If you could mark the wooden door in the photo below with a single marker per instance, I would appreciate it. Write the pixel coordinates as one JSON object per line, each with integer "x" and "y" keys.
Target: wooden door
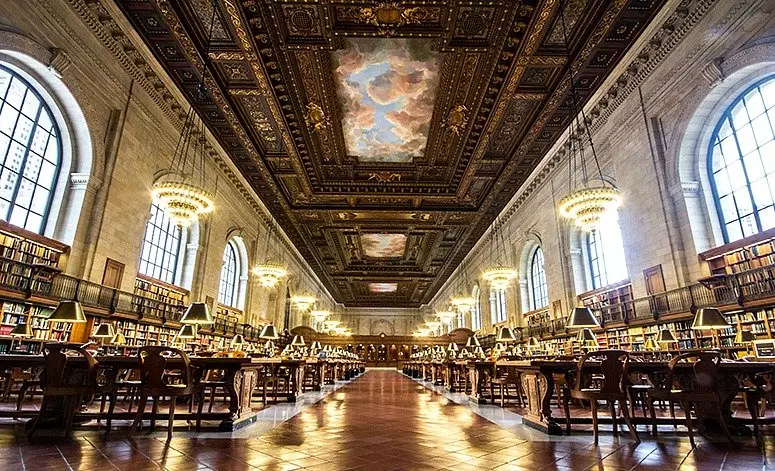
{"x": 113, "y": 274}
{"x": 655, "y": 287}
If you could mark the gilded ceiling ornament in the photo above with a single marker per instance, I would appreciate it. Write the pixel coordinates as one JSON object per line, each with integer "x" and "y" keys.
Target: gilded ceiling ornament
{"x": 315, "y": 117}
{"x": 457, "y": 119}
{"x": 384, "y": 177}
{"x": 389, "y": 16}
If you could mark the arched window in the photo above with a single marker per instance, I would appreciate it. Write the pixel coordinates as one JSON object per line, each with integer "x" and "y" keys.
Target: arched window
{"x": 741, "y": 162}
{"x": 161, "y": 247}
{"x": 539, "y": 295}
{"x": 31, "y": 151}
{"x": 228, "y": 292}
{"x": 497, "y": 305}
{"x": 605, "y": 252}
{"x": 476, "y": 310}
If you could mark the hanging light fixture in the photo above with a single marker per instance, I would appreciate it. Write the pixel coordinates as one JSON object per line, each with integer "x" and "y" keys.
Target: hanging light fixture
{"x": 588, "y": 201}
{"x": 319, "y": 316}
{"x": 463, "y": 303}
{"x": 181, "y": 192}
{"x": 500, "y": 274}
{"x": 269, "y": 273}
{"x": 331, "y": 324}
{"x": 303, "y": 301}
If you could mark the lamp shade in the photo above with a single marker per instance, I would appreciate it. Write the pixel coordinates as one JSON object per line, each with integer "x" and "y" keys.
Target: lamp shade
{"x": 70, "y": 312}
{"x": 298, "y": 341}
{"x": 479, "y": 352}
{"x": 269, "y": 332}
{"x": 744, "y": 336}
{"x": 238, "y": 340}
{"x": 506, "y": 334}
{"x": 315, "y": 345}
{"x": 452, "y": 347}
{"x": 651, "y": 344}
{"x": 581, "y": 317}
{"x": 532, "y": 342}
{"x": 666, "y": 336}
{"x": 22, "y": 330}
{"x": 104, "y": 331}
{"x": 472, "y": 342}
{"x": 187, "y": 331}
{"x": 586, "y": 336}
{"x": 197, "y": 313}
{"x": 118, "y": 339}
{"x": 709, "y": 318}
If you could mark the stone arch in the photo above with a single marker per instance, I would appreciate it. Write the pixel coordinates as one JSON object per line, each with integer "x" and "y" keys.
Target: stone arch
{"x": 688, "y": 173}
{"x": 381, "y": 325}
{"x": 45, "y": 70}
{"x": 525, "y": 255}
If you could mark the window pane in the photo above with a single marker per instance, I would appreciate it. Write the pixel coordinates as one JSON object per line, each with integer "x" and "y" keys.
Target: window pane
{"x": 161, "y": 245}
{"x": 722, "y": 183}
{"x": 746, "y": 140}
{"x": 767, "y": 218}
{"x": 749, "y": 225}
{"x": 733, "y": 231}
{"x": 754, "y": 103}
{"x": 762, "y": 130}
{"x": 739, "y": 115}
{"x": 32, "y": 138}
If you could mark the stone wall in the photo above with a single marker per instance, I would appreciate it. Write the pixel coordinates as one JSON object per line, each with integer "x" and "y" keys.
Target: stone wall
{"x": 687, "y": 79}
{"x": 122, "y": 118}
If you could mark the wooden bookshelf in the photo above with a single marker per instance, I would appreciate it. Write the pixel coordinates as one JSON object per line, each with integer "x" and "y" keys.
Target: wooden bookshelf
{"x": 158, "y": 296}
{"x": 745, "y": 254}
{"x": 14, "y": 313}
{"x": 612, "y": 295}
{"x": 38, "y": 257}
{"x": 226, "y": 318}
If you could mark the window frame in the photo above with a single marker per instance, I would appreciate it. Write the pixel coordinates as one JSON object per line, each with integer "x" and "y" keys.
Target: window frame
{"x": 233, "y": 297}
{"x": 542, "y": 285}
{"x": 54, "y": 133}
{"x": 726, "y": 116}
{"x": 498, "y": 306}
{"x": 158, "y": 245}
{"x": 476, "y": 309}
{"x": 595, "y": 263}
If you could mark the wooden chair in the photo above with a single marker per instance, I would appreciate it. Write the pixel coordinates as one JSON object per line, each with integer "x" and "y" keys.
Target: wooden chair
{"x": 503, "y": 381}
{"x": 155, "y": 383}
{"x": 700, "y": 387}
{"x": 611, "y": 384}
{"x": 72, "y": 378}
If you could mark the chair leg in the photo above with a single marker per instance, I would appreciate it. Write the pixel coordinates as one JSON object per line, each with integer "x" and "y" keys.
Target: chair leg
{"x": 504, "y": 387}
{"x": 111, "y": 408}
{"x": 132, "y": 391}
{"x": 566, "y": 409}
{"x": 752, "y": 401}
{"x": 612, "y": 406}
{"x": 143, "y": 400}
{"x": 594, "y": 418}
{"x": 171, "y": 418}
{"x": 653, "y": 415}
{"x": 154, "y": 410}
{"x": 723, "y": 423}
{"x": 20, "y": 398}
{"x": 687, "y": 407}
{"x": 212, "y": 399}
{"x": 199, "y": 413}
{"x": 628, "y": 420}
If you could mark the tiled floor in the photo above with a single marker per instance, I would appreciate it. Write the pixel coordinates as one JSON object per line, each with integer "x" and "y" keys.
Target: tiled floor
{"x": 381, "y": 421}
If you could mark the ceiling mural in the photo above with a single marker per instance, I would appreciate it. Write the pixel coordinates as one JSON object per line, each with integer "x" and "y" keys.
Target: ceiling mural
{"x": 387, "y": 89}
{"x": 385, "y": 137}
{"x": 383, "y": 245}
{"x": 383, "y": 287}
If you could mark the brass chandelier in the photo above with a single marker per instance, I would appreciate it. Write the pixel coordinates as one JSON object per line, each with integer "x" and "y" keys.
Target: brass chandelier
{"x": 180, "y": 192}
{"x": 588, "y": 200}
{"x": 500, "y": 274}
{"x": 269, "y": 273}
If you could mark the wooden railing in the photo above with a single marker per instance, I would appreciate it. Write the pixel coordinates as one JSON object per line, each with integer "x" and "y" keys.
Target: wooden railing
{"x": 101, "y": 299}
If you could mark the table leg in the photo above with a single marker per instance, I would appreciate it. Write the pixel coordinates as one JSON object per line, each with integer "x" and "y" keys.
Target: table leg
{"x": 477, "y": 380}
{"x": 240, "y": 384}
{"x": 539, "y": 388}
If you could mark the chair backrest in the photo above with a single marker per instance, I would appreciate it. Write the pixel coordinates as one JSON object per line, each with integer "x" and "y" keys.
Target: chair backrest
{"x": 705, "y": 366}
{"x": 60, "y": 369}
{"x": 153, "y": 365}
{"x": 613, "y": 366}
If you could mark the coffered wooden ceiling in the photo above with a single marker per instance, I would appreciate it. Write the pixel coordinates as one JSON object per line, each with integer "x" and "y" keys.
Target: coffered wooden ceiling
{"x": 386, "y": 137}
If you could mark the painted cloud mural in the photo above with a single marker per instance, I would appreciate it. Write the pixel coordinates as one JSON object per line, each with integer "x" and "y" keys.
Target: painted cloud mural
{"x": 387, "y": 88}
{"x": 383, "y": 245}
